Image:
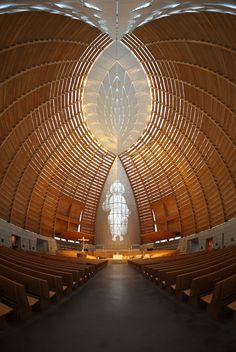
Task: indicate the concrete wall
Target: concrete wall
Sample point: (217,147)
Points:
(147,246)
(28,240)
(223,235)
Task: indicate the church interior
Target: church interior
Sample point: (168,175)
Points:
(118,175)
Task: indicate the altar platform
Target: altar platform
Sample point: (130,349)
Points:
(115,255)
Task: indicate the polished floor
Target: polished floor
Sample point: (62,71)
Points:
(119,310)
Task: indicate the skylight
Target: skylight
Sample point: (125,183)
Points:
(143,6)
(91,6)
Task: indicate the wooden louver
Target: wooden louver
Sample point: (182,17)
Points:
(188,147)
(46,150)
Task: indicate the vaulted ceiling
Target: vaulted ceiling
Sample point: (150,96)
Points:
(46,149)
(187,149)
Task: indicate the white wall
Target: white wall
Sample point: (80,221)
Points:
(28,238)
(223,235)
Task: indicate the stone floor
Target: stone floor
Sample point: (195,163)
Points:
(119,310)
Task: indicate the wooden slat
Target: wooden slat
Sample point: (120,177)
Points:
(188,147)
(45,146)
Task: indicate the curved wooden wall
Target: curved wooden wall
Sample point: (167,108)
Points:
(188,148)
(46,150)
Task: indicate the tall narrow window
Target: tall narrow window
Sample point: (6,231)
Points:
(119,212)
(80,219)
(154,220)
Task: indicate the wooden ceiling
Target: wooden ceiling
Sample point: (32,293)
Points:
(187,150)
(46,150)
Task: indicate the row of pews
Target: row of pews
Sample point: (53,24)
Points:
(30,281)
(203,278)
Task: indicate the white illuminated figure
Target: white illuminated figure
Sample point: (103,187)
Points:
(115,203)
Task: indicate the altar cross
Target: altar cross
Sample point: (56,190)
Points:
(83,240)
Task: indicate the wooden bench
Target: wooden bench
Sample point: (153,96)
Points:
(160,273)
(184,281)
(232,306)
(50,260)
(54,281)
(73,262)
(140,263)
(223,294)
(79,274)
(4,311)
(67,276)
(160,269)
(205,283)
(34,286)
(76,275)
(91,265)
(197,256)
(14,295)
(147,265)
(180,280)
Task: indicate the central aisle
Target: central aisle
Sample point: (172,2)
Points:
(119,310)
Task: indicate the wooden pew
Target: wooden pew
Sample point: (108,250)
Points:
(81,264)
(141,263)
(14,295)
(68,277)
(92,264)
(34,286)
(84,271)
(159,272)
(204,284)
(4,311)
(232,307)
(179,280)
(146,265)
(149,269)
(224,293)
(184,281)
(54,282)
(80,274)
(56,269)
(28,280)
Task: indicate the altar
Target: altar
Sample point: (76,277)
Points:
(117,256)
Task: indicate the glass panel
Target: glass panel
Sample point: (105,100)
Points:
(119,212)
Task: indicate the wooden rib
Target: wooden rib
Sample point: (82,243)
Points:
(46,147)
(192,128)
